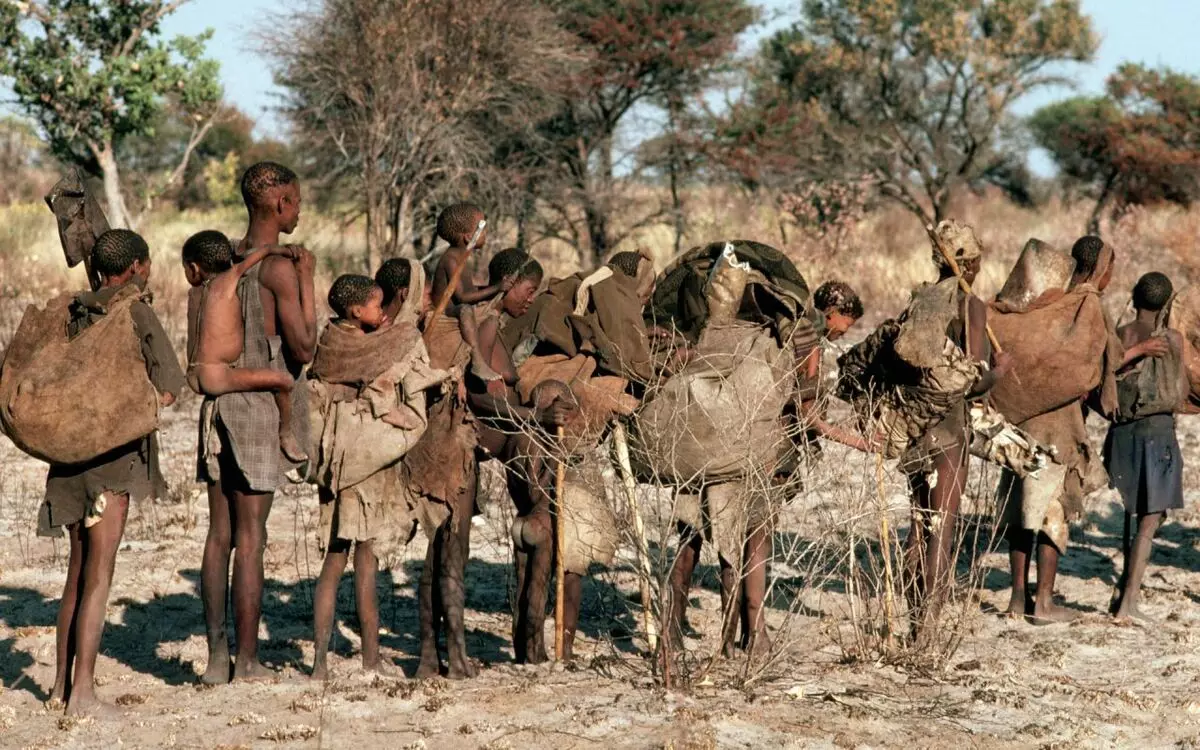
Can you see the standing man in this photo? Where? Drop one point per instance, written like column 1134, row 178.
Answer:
column 239, row 453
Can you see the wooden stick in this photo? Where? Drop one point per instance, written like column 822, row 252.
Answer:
column 455, row 276
column 639, row 533
column 560, row 481
column 885, row 537
column 948, row 255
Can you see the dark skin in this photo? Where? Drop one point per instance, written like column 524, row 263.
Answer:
column 90, row 568
column 531, row 469
column 363, row 318
column 442, row 593
column 1042, row 610
column 237, row 516
column 935, row 508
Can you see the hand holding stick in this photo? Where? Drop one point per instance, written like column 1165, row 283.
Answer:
column 448, row 293
column 560, row 481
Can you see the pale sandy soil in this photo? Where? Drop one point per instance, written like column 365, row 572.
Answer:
column 1090, row 684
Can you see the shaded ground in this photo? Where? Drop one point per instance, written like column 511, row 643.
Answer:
column 1089, row 684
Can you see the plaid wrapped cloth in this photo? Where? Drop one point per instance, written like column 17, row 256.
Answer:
column 250, row 421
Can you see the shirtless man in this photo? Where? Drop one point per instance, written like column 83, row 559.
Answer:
column 216, row 329
column 240, row 457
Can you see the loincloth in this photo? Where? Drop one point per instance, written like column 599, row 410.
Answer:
column 77, row 492
column 725, row 515
column 375, row 510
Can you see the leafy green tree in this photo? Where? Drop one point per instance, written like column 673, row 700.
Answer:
column 913, row 94
column 92, row 74
column 1138, row 144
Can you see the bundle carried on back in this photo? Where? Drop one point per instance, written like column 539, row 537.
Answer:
column 68, row 400
column 720, row 416
column 1057, row 338
column 908, row 374
column 1185, row 318
column 1154, row 385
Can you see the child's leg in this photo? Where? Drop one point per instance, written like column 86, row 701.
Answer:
column 1020, row 550
column 365, row 596
column 68, row 610
column 99, row 561
column 572, row 598
column 468, row 328
column 1045, row 611
column 731, row 604
column 325, row 603
column 1135, row 566
column 287, row 439
column 429, row 605
column 686, row 560
column 217, row 379
column 754, row 592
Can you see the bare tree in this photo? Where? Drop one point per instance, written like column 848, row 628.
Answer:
column 406, row 100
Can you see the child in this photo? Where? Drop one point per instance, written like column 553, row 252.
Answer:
column 1141, row 452
column 358, row 304
column 215, row 328
column 91, row 500
column 456, row 225
column 841, row 306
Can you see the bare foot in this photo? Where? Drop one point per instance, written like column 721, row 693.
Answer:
column 90, row 705
column 1132, row 613
column 1019, row 606
column 759, row 645
column 461, row 669
column 254, row 672
column 429, row 667
column 383, row 668
column 219, row 669
column 1052, row 614
column 55, row 703
column 320, row 671
column 291, row 448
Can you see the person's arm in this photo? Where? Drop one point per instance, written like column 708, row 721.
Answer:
column 813, row 419
column 981, row 349
column 295, row 304
column 464, row 296
column 1155, row 346
column 162, row 366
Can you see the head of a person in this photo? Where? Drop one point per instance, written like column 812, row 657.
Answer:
column 457, row 223
column 1152, row 292
column 121, row 256
column 272, row 193
column 638, row 267
column 206, row 254
column 359, row 300
column 394, row 277
column 841, row 306
column 1093, row 262
column 528, row 273
column 547, row 392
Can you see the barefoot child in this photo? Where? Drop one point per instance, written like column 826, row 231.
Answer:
column 215, row 328
column 456, row 225
column 91, row 500
column 1141, row 452
column 369, row 377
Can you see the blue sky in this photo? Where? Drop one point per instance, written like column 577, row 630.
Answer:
column 1157, row 32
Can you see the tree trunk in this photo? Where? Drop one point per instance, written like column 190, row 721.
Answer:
column 1106, row 193
column 673, row 167
column 597, row 226
column 376, row 209
column 524, row 214
column 118, row 214
column 402, row 240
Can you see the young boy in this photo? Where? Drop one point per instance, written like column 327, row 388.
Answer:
column 358, row 304
column 456, row 225
column 1141, row 453
column 215, row 328
column 91, row 500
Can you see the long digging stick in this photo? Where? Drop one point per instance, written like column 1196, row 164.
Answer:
column 639, row 533
column 885, row 537
column 448, row 293
column 560, row 481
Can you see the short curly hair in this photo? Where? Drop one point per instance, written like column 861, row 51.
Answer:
column 210, row 250
column 393, row 277
column 1086, row 252
column 1152, row 292
column 260, row 178
column 458, row 221
column 118, row 249
column 839, row 297
column 513, row 261
column 349, row 290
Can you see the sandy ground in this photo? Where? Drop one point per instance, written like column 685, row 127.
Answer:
column 1088, row 684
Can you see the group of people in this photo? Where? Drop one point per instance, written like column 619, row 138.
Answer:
column 390, row 409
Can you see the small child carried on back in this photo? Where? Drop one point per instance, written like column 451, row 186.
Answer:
column 1141, row 452
column 216, row 330
column 368, row 383
column 456, row 225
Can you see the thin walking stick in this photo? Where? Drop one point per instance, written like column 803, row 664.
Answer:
column 455, row 276
column 639, row 532
column 560, row 481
